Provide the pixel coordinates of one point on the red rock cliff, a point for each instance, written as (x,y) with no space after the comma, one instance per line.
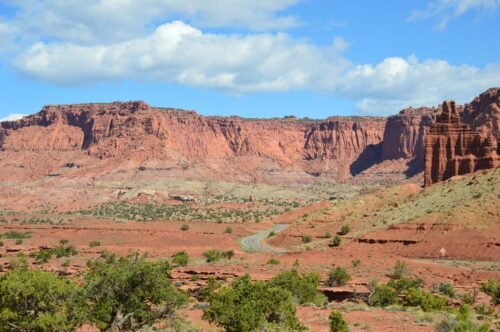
(453,148)
(135,131)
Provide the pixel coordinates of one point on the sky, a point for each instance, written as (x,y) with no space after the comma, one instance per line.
(252,58)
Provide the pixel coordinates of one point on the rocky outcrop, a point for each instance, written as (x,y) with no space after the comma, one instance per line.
(454,148)
(404,133)
(134,131)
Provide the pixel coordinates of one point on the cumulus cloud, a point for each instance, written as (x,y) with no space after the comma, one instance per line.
(102,21)
(248,63)
(178,52)
(13,117)
(445,10)
(396,83)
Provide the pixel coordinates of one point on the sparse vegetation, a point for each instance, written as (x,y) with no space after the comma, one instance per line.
(273,261)
(492,288)
(337,322)
(180,258)
(336,241)
(345,229)
(215,255)
(338,277)
(184,227)
(304,287)
(306,238)
(94,244)
(247,305)
(400,270)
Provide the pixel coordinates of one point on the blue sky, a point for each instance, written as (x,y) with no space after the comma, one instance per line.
(252,58)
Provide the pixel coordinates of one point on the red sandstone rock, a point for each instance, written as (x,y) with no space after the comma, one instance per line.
(135,131)
(453,148)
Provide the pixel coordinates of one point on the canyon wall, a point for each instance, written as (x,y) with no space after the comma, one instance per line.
(134,131)
(453,148)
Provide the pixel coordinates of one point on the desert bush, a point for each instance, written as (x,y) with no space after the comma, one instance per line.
(356,262)
(404,284)
(445,289)
(247,305)
(306,238)
(214,255)
(228,230)
(426,301)
(328,235)
(39,301)
(180,258)
(337,322)
(335,242)
(14,235)
(400,270)
(338,277)
(94,244)
(462,321)
(127,293)
(42,256)
(492,288)
(184,227)
(345,229)
(273,261)
(304,287)
(383,296)
(19,241)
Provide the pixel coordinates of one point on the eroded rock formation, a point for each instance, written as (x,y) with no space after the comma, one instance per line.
(454,148)
(136,132)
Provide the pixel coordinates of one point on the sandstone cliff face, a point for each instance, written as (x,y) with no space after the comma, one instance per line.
(135,131)
(404,133)
(453,148)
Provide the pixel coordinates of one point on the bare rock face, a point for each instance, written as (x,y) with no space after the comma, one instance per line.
(404,133)
(454,148)
(134,131)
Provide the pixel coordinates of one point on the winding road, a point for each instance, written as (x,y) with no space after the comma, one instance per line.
(254,243)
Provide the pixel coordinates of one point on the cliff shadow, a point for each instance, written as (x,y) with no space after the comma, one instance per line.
(415,166)
(371,156)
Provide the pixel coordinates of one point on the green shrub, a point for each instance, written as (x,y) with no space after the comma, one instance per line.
(306,238)
(404,284)
(273,261)
(424,300)
(214,255)
(445,289)
(228,230)
(39,301)
(400,270)
(63,242)
(338,277)
(246,306)
(42,256)
(492,288)
(328,235)
(13,235)
(304,287)
(94,244)
(356,262)
(180,258)
(184,227)
(345,229)
(336,241)
(383,296)
(462,321)
(130,292)
(19,241)
(337,322)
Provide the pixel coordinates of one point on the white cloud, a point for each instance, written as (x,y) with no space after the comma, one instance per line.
(445,10)
(12,117)
(105,21)
(396,83)
(239,64)
(177,52)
